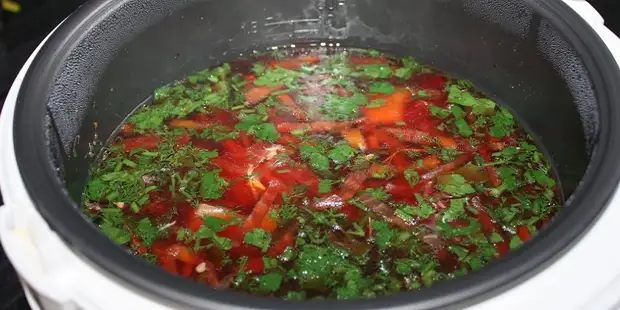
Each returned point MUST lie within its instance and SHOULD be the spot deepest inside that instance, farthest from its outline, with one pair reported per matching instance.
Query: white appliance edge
(587, 277)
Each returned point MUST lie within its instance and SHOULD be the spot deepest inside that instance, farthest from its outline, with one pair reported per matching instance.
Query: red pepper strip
(296, 111)
(449, 167)
(143, 142)
(262, 207)
(258, 94)
(352, 183)
(313, 127)
(421, 137)
(524, 233)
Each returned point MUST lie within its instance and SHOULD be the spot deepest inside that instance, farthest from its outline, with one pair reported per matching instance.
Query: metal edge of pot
(49, 197)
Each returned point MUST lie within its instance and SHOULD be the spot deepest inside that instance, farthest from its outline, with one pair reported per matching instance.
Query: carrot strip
(421, 137)
(392, 111)
(261, 209)
(296, 63)
(296, 111)
(355, 138)
(269, 223)
(313, 127)
(258, 94)
(186, 123)
(431, 162)
(204, 210)
(449, 167)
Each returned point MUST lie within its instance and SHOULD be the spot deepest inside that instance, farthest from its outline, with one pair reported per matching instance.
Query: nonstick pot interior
(538, 58)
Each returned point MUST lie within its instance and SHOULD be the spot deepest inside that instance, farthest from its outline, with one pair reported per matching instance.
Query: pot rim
(64, 217)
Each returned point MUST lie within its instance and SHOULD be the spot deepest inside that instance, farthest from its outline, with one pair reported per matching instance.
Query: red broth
(304, 175)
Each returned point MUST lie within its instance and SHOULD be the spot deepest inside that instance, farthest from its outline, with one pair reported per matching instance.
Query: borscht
(306, 174)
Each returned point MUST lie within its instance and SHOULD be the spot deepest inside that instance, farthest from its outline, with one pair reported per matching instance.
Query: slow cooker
(550, 61)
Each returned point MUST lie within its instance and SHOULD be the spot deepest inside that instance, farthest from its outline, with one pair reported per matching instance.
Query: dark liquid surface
(304, 175)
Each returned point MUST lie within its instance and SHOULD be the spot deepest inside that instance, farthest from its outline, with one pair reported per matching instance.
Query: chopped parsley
(456, 185)
(258, 238)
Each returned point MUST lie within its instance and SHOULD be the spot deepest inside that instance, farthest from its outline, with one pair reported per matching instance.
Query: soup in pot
(307, 175)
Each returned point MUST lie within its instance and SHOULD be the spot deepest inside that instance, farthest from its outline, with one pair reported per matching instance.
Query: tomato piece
(524, 233)
(288, 239)
(182, 253)
(502, 248)
(169, 264)
(488, 226)
(388, 142)
(141, 142)
(234, 148)
(254, 265)
(244, 250)
(352, 212)
(430, 80)
(230, 169)
(288, 139)
(187, 270)
(128, 128)
(401, 161)
(233, 233)
(240, 195)
(156, 209)
(399, 187)
(182, 140)
(367, 60)
(416, 112)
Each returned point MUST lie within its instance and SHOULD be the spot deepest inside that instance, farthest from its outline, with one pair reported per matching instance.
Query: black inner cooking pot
(537, 57)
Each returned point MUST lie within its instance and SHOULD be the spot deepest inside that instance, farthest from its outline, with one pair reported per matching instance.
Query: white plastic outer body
(55, 278)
